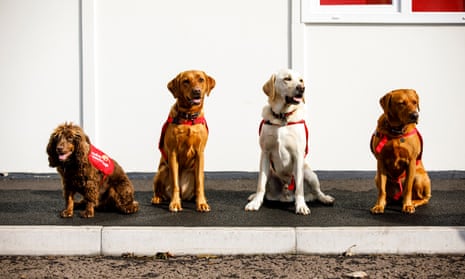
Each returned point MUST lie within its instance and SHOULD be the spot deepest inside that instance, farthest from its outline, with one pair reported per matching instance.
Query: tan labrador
(284, 173)
(180, 173)
(398, 146)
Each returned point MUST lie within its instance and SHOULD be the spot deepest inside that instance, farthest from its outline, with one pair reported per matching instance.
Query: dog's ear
(81, 144)
(385, 101)
(269, 88)
(418, 99)
(51, 151)
(173, 86)
(210, 83)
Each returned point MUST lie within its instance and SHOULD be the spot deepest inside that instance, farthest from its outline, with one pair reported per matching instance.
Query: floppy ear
(173, 86)
(418, 99)
(51, 151)
(81, 146)
(385, 101)
(210, 83)
(268, 87)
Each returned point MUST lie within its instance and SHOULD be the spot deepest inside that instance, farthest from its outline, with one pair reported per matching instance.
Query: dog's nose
(414, 116)
(196, 92)
(300, 88)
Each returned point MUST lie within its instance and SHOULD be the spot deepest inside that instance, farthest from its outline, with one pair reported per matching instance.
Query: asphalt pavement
(28, 199)
(30, 205)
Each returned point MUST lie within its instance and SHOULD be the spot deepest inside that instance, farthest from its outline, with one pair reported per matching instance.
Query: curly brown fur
(68, 150)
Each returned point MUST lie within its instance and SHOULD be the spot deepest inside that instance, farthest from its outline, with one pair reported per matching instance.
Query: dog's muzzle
(413, 117)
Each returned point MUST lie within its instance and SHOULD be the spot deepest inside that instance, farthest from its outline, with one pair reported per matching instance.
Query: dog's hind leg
(313, 189)
(159, 181)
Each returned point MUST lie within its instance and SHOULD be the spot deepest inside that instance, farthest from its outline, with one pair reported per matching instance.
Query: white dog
(284, 172)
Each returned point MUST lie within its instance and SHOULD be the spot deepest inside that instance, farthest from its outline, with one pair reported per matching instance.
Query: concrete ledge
(100, 240)
(381, 240)
(197, 240)
(50, 240)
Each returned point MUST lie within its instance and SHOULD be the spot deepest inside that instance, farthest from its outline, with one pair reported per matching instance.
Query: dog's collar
(282, 115)
(190, 119)
(187, 116)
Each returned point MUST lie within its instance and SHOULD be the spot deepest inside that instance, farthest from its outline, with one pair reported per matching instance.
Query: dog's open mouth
(64, 157)
(195, 101)
(295, 100)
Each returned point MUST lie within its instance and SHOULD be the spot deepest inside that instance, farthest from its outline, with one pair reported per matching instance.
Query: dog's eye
(287, 78)
(186, 81)
(201, 79)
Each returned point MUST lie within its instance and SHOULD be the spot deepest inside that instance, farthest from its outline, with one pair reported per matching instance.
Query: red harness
(383, 140)
(178, 121)
(291, 186)
(101, 161)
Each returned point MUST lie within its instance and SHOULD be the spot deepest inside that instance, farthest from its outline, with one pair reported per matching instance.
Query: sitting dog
(182, 142)
(398, 146)
(86, 170)
(284, 172)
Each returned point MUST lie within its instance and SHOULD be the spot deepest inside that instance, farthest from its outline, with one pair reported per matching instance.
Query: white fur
(284, 145)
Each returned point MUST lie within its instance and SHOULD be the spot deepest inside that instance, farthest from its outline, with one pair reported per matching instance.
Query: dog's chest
(283, 143)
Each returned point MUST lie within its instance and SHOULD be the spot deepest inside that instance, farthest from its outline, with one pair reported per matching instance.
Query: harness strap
(268, 122)
(177, 121)
(101, 161)
(290, 186)
(383, 140)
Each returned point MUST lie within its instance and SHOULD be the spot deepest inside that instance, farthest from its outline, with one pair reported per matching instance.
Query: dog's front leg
(91, 198)
(300, 204)
(69, 199)
(201, 201)
(256, 200)
(380, 180)
(407, 205)
(175, 204)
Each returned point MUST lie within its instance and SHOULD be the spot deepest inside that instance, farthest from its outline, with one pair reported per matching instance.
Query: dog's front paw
(377, 209)
(87, 214)
(255, 201)
(408, 208)
(203, 207)
(156, 200)
(67, 213)
(302, 209)
(131, 208)
(175, 206)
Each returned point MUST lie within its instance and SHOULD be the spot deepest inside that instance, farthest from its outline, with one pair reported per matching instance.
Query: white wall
(351, 67)
(39, 78)
(133, 48)
(141, 45)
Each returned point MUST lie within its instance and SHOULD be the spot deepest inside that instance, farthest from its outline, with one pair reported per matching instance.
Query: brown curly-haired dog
(85, 170)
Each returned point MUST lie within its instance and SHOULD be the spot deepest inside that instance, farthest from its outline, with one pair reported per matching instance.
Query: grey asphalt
(36, 199)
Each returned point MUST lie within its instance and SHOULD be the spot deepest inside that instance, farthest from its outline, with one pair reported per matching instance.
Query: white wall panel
(39, 78)
(141, 45)
(351, 67)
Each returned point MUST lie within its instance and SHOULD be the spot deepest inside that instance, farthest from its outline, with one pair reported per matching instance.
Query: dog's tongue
(195, 101)
(298, 99)
(63, 157)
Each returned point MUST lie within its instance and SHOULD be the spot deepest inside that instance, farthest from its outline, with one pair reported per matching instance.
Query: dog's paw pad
(156, 200)
(302, 210)
(253, 206)
(66, 214)
(175, 207)
(327, 199)
(377, 209)
(87, 214)
(410, 209)
(203, 208)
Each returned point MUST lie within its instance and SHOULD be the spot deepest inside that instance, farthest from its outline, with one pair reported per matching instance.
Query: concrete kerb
(115, 241)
